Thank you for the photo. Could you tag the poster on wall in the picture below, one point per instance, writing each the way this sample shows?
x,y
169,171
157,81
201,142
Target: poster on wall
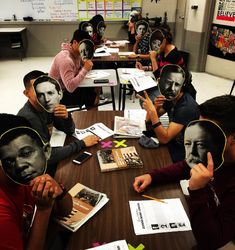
x,y
226,10
222,42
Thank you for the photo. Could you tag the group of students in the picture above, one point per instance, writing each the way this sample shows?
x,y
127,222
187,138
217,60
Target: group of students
x,y
26,155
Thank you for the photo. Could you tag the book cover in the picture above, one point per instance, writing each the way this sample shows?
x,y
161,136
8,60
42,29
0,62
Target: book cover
x,y
128,128
86,202
118,159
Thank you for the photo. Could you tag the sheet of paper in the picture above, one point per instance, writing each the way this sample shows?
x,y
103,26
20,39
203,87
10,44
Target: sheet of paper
x,y
98,129
126,53
150,216
100,54
143,82
57,138
135,114
121,41
97,74
116,245
112,50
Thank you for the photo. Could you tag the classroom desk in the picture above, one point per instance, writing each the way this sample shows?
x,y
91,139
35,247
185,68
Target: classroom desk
x,y
88,82
114,60
113,221
13,39
123,84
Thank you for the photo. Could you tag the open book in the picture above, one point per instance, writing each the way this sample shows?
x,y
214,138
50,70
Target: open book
x,y
128,128
86,202
118,159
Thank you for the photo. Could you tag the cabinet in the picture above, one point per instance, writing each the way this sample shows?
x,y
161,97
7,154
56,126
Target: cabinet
x,y
13,41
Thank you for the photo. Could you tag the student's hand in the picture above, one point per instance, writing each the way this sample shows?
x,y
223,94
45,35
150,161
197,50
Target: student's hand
x,y
91,140
60,111
142,182
132,56
159,101
138,38
153,55
44,190
201,175
147,103
138,65
88,65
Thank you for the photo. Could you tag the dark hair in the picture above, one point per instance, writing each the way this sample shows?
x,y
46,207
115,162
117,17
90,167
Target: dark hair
x,y
79,35
161,34
95,20
13,126
30,76
220,109
41,79
84,25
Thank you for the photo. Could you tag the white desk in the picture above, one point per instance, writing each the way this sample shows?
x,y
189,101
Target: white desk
x,y
89,82
123,83
13,39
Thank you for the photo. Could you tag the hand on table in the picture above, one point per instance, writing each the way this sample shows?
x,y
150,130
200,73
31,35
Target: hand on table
x,y
201,175
91,140
60,111
142,182
138,65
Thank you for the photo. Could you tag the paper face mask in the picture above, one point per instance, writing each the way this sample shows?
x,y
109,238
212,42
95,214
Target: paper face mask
x,y
87,27
86,49
171,80
155,40
23,154
48,92
101,27
141,27
202,136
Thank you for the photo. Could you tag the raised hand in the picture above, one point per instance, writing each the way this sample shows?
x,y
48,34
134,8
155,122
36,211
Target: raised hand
x,y
201,175
142,182
147,103
61,111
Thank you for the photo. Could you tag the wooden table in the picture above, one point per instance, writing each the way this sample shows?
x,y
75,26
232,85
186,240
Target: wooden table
x,y
113,221
13,39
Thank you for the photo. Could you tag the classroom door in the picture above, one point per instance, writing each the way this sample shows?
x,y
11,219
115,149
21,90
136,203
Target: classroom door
x,y
179,24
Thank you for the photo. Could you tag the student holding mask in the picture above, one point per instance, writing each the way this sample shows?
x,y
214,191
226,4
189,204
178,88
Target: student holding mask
x,y
211,189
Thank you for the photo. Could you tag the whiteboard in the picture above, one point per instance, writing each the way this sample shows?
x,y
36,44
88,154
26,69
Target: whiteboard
x,y
67,10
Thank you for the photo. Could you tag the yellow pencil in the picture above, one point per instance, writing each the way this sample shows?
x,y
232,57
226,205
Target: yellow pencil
x,y
152,198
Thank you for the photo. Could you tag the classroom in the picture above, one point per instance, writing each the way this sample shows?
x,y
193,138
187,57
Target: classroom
x,y
135,143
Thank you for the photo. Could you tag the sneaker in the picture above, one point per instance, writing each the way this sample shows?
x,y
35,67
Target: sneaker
x,y
102,97
104,100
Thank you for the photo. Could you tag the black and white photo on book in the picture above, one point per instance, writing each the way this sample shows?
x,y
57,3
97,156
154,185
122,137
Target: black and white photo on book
x,y
86,202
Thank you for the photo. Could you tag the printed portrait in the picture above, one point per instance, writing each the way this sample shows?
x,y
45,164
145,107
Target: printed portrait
x,y
86,49
201,137
156,39
87,27
23,154
171,80
141,27
101,27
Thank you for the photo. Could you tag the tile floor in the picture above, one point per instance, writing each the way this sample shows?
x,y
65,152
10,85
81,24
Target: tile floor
x,y
12,72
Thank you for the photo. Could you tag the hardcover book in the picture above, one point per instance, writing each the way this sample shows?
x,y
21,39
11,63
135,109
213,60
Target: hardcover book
x,y
118,159
86,202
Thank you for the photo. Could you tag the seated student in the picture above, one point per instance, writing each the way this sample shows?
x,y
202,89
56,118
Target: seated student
x,y
99,27
177,103
87,27
134,16
69,69
162,52
23,158
211,193
42,122
141,46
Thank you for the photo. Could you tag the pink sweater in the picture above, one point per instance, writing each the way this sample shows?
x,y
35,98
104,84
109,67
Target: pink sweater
x,y
67,68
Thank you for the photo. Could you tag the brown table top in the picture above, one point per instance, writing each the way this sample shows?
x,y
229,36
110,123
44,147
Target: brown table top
x,y
113,221
115,57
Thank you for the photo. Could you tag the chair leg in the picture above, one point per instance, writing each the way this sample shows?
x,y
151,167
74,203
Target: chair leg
x,y
231,91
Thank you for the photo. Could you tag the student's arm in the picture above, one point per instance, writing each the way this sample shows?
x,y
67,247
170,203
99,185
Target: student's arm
x,y
44,190
70,79
136,45
220,219
164,135
153,58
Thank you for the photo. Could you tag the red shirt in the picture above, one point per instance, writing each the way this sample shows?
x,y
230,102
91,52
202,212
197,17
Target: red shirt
x,y
16,210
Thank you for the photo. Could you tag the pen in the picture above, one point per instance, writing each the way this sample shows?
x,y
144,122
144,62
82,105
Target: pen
x,y
152,198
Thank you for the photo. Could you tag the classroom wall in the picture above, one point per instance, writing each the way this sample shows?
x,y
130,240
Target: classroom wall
x,y
219,66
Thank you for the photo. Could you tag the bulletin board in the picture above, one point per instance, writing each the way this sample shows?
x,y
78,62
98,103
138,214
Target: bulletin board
x,y
67,10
